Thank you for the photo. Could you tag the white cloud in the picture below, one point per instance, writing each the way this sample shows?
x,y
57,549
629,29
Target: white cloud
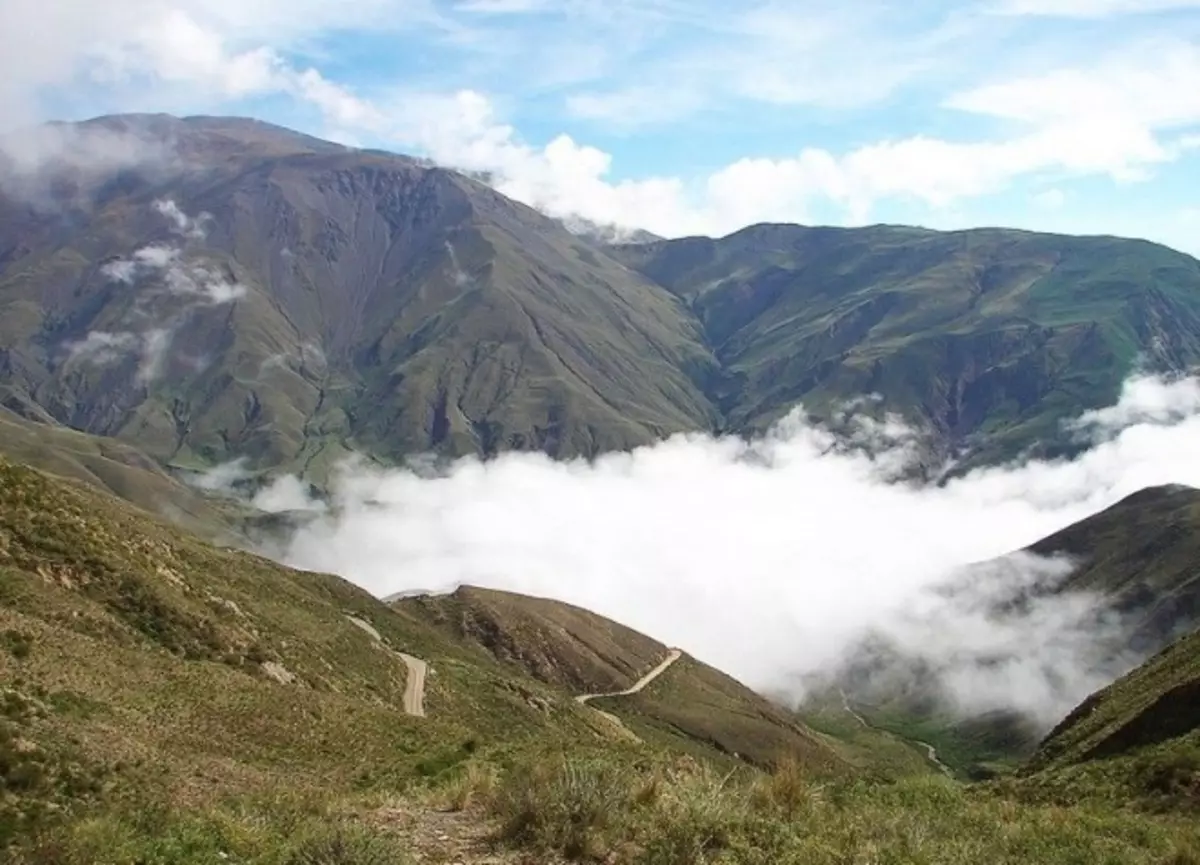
x,y
1151,86
155,344
1092,8
180,221
1144,400
166,266
752,556
1050,199
169,289
221,478
1113,119
102,347
286,494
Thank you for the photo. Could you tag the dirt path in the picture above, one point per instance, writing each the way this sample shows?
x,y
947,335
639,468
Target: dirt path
x,y
414,687
672,656
414,684
930,751
583,699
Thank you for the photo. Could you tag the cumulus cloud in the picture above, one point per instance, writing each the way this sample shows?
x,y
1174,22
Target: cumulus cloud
x,y
770,558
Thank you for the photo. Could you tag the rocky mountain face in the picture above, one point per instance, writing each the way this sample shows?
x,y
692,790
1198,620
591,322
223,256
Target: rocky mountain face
x,y
217,288
287,301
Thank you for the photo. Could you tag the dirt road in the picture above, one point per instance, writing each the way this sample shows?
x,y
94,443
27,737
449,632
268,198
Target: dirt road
x,y
414,684
414,688
672,656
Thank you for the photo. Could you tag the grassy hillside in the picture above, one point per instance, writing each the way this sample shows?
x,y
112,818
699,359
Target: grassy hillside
x,y
690,707
168,668
1137,738
1141,554
988,338
554,642
164,701
113,466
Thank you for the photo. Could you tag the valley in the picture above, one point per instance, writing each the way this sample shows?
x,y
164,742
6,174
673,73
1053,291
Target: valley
x,y
250,348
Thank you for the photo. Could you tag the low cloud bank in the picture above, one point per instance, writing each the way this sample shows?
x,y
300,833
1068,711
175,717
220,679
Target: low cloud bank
x,y
770,559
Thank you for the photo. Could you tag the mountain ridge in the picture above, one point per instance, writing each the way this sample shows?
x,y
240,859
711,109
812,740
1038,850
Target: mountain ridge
x,y
306,300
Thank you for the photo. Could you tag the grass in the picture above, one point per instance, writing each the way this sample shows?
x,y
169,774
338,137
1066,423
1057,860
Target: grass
x,y
138,725
687,813
280,832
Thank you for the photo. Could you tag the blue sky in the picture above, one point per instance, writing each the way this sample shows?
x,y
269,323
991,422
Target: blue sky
x,y
684,116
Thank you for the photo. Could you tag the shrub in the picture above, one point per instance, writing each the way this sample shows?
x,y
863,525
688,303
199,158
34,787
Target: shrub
x,y
567,806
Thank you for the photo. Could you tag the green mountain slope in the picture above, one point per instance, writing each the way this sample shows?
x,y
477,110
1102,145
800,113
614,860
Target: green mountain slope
x,y
1138,558
1137,738
139,663
1142,555
117,468
691,706
233,289
314,300
987,338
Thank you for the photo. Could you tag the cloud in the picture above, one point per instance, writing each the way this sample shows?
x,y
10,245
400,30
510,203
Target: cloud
x,y
1086,110
1050,199
1092,8
32,158
979,641
1144,400
769,559
169,289
155,343
221,478
182,223
166,267
102,347
287,493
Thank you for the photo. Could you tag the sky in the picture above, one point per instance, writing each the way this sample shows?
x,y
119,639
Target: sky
x,y
683,116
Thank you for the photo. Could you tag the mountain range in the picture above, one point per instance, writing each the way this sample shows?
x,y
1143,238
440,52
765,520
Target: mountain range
x,y
219,288
188,304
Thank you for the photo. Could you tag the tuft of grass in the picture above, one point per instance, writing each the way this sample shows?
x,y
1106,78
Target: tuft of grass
x,y
567,806
476,782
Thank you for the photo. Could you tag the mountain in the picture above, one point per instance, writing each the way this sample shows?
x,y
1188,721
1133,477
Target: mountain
x,y
1141,555
1135,563
209,288
120,469
255,293
986,338
572,648
138,660
1139,736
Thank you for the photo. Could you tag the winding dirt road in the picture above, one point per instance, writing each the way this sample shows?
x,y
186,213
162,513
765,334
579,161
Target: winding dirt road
x,y
672,656
414,683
